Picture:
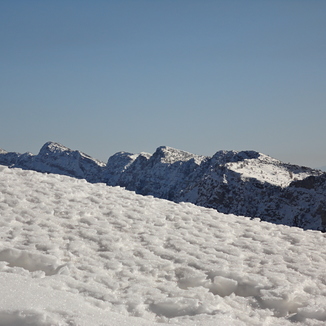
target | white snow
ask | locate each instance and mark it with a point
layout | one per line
(267, 169)
(75, 253)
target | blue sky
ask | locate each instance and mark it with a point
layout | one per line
(201, 76)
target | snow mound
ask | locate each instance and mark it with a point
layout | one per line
(30, 261)
(26, 318)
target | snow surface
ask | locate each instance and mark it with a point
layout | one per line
(75, 253)
(267, 169)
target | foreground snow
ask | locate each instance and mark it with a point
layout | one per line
(74, 253)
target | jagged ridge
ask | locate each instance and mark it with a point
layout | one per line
(243, 183)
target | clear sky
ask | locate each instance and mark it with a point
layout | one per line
(105, 76)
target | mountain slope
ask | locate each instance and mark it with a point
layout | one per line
(244, 183)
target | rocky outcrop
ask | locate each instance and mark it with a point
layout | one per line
(165, 174)
(244, 183)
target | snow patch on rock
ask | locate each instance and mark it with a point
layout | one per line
(267, 169)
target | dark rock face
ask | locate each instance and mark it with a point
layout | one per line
(9, 158)
(244, 183)
(311, 182)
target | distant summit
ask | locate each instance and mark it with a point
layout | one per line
(56, 158)
(244, 183)
(52, 147)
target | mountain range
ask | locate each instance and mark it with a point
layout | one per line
(245, 183)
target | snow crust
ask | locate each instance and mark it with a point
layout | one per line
(75, 253)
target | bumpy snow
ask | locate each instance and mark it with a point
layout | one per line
(75, 253)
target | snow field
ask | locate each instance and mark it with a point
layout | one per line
(72, 252)
(271, 170)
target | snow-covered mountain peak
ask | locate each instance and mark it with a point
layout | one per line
(123, 156)
(53, 147)
(169, 155)
(122, 160)
(56, 149)
(2, 151)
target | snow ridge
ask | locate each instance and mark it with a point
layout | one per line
(244, 183)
